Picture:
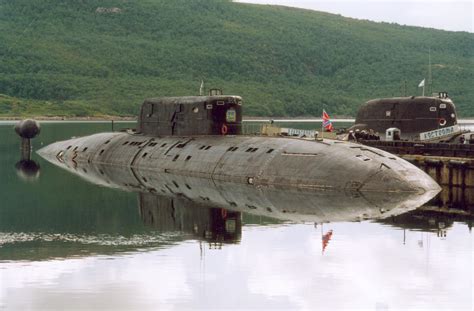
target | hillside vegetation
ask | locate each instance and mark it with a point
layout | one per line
(86, 57)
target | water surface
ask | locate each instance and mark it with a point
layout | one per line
(69, 244)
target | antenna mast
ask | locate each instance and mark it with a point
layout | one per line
(430, 82)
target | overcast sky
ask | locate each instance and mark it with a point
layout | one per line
(456, 15)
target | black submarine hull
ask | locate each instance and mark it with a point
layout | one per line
(418, 118)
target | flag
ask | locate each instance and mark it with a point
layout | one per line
(422, 83)
(327, 122)
(201, 87)
(326, 238)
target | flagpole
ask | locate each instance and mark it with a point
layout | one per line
(322, 239)
(322, 128)
(430, 89)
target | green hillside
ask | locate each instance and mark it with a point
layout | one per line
(83, 57)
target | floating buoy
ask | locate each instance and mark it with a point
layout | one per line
(27, 128)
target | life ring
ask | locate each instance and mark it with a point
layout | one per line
(442, 121)
(224, 129)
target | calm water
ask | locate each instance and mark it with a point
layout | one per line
(66, 243)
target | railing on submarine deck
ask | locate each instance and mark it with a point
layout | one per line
(270, 129)
(252, 128)
(424, 148)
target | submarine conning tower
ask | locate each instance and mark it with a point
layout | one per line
(411, 115)
(216, 114)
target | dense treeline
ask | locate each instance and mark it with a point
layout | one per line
(82, 57)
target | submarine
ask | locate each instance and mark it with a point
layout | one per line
(160, 193)
(201, 137)
(417, 118)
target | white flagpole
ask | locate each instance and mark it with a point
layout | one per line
(430, 89)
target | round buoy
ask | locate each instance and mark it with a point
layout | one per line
(28, 128)
(442, 121)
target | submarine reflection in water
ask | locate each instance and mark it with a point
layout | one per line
(167, 214)
(427, 221)
(283, 203)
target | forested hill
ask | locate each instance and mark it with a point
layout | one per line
(81, 57)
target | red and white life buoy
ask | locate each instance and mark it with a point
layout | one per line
(442, 121)
(224, 129)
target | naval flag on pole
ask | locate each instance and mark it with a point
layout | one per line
(327, 124)
(201, 87)
(422, 84)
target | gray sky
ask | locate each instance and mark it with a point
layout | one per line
(455, 15)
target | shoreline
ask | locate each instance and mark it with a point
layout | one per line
(245, 119)
(58, 118)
